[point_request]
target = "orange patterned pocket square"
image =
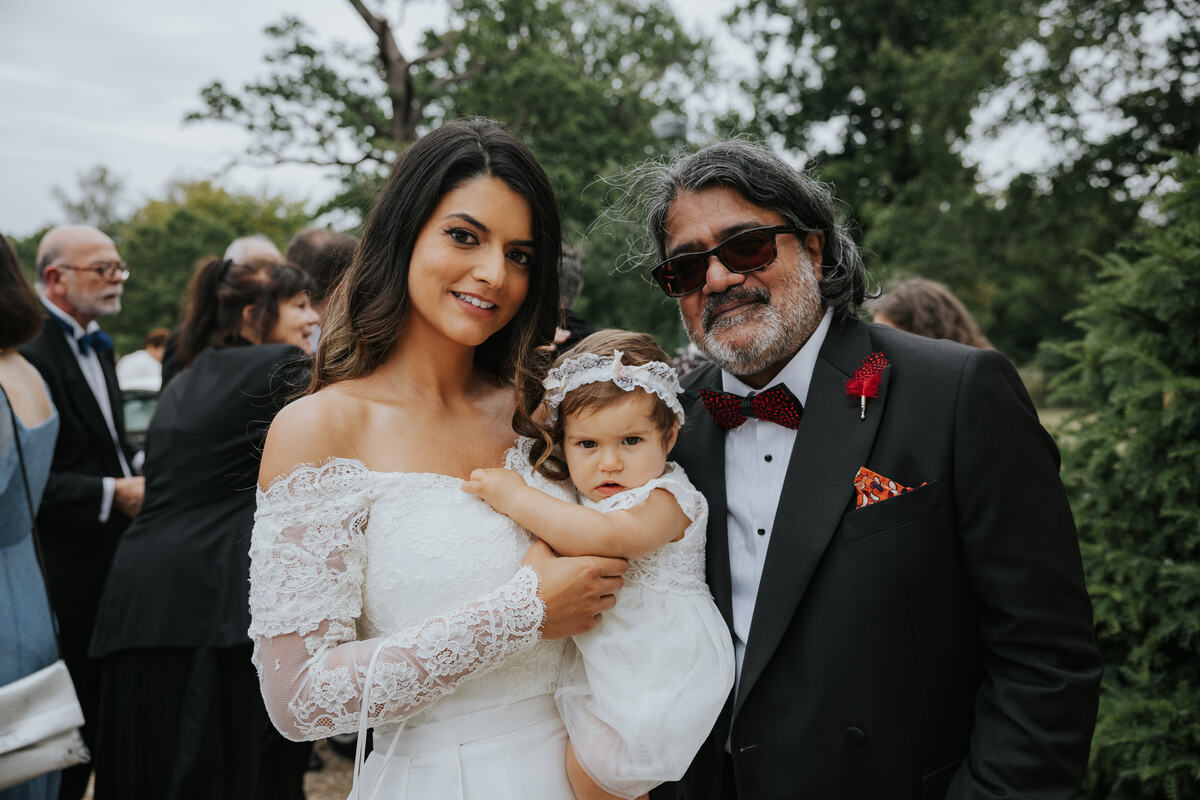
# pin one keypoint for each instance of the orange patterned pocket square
(871, 487)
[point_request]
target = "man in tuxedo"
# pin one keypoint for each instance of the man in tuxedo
(888, 536)
(92, 492)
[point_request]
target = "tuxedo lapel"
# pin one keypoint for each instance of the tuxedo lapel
(701, 452)
(109, 367)
(79, 394)
(832, 442)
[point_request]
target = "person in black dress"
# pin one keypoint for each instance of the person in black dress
(180, 711)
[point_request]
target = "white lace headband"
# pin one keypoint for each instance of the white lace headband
(655, 377)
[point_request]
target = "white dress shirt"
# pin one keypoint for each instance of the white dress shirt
(757, 455)
(89, 365)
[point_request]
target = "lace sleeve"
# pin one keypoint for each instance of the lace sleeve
(306, 574)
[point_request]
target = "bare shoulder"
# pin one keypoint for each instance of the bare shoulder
(25, 389)
(310, 430)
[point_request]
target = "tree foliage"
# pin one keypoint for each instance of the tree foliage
(883, 97)
(1114, 82)
(164, 239)
(99, 200)
(1132, 467)
(579, 82)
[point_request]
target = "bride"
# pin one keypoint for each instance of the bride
(381, 595)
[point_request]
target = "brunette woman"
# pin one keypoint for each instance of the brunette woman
(382, 595)
(27, 416)
(180, 712)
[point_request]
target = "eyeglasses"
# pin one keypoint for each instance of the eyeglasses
(741, 253)
(108, 270)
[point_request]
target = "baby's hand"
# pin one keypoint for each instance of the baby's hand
(493, 485)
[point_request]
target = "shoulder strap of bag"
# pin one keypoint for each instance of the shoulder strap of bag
(37, 545)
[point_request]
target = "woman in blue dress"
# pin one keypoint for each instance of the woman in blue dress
(26, 626)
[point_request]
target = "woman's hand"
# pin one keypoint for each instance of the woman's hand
(575, 590)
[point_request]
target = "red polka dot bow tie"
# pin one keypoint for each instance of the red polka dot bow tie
(776, 404)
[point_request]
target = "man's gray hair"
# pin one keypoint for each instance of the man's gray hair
(48, 256)
(247, 248)
(768, 182)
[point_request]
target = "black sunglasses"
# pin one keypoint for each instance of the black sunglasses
(743, 252)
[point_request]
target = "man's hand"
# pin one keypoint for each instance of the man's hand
(128, 494)
(575, 590)
(494, 486)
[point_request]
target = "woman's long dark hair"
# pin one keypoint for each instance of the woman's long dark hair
(220, 290)
(368, 308)
(22, 317)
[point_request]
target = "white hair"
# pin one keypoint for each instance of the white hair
(248, 248)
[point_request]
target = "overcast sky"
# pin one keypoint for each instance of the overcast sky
(85, 82)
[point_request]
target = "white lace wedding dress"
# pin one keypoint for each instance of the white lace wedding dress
(401, 587)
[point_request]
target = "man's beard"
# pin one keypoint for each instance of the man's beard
(776, 327)
(95, 304)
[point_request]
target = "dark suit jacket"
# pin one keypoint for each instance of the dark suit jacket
(937, 644)
(76, 546)
(181, 573)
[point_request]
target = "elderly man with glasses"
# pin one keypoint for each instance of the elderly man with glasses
(888, 540)
(93, 491)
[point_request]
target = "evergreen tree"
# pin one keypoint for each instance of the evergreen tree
(1132, 467)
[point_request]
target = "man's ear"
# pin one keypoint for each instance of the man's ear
(814, 246)
(55, 282)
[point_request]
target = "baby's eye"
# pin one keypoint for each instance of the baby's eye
(632, 440)
(586, 444)
(522, 257)
(462, 236)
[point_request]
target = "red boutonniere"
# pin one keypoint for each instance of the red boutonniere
(865, 382)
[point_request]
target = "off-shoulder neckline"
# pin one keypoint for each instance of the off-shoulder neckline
(359, 466)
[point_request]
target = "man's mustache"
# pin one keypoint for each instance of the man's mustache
(737, 294)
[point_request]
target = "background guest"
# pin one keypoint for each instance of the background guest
(927, 308)
(572, 328)
(249, 248)
(325, 255)
(142, 369)
(26, 627)
(92, 492)
(180, 711)
(240, 251)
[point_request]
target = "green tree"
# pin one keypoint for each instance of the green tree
(579, 82)
(164, 239)
(1113, 84)
(1132, 467)
(883, 97)
(99, 201)
(26, 250)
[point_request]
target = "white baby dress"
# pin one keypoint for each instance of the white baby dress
(640, 692)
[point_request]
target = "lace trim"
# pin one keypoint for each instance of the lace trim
(333, 472)
(307, 569)
(676, 567)
(414, 667)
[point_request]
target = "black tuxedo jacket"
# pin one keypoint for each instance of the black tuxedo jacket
(77, 547)
(936, 644)
(181, 575)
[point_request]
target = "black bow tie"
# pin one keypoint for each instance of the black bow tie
(776, 404)
(97, 340)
